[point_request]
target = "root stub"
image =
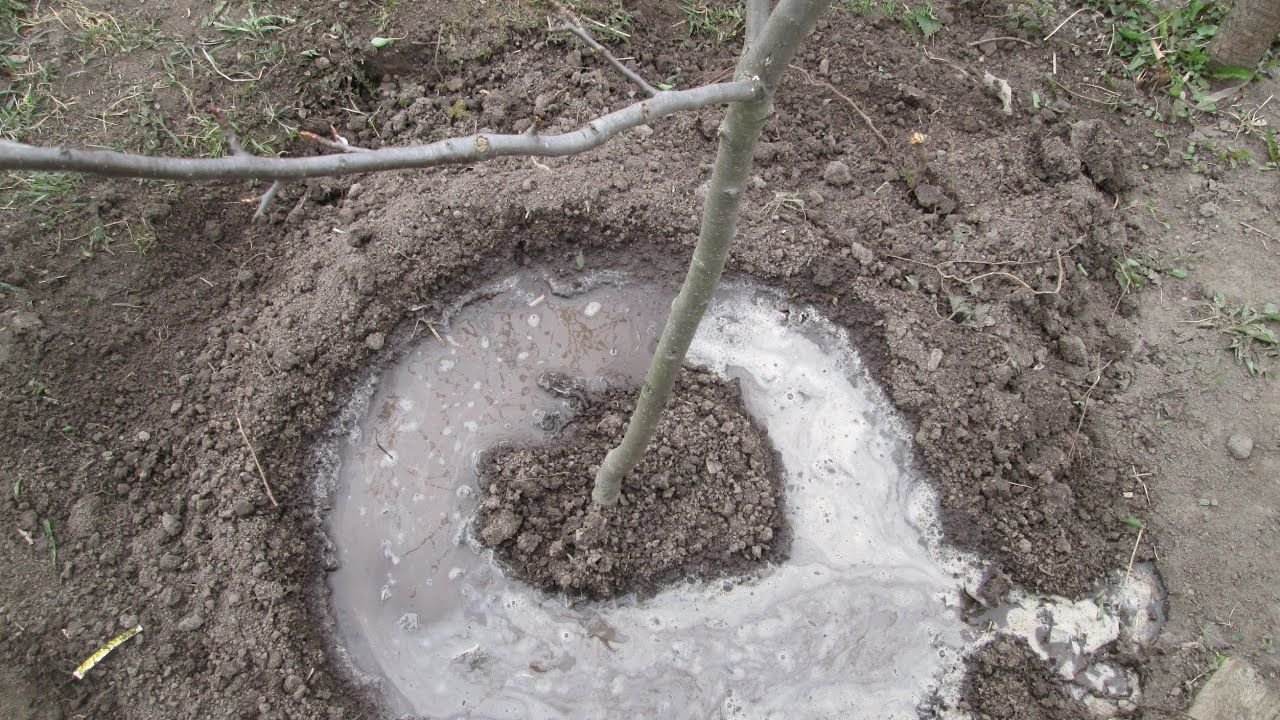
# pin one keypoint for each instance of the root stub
(705, 502)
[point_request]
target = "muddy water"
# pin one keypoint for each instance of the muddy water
(859, 622)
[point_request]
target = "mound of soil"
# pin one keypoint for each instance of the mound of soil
(705, 502)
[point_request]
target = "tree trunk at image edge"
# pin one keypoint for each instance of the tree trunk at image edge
(1245, 34)
(765, 59)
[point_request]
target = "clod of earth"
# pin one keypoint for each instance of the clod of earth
(705, 502)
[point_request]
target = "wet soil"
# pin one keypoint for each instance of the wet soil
(976, 274)
(705, 502)
(1007, 680)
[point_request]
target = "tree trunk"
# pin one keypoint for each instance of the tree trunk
(1245, 34)
(765, 59)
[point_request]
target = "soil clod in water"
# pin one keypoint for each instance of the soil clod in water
(705, 500)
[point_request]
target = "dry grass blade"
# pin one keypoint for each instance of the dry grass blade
(266, 485)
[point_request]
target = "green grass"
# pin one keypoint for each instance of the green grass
(720, 22)
(1136, 273)
(1163, 46)
(917, 19)
(867, 8)
(254, 26)
(922, 19)
(1251, 331)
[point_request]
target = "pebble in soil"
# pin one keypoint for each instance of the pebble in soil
(860, 619)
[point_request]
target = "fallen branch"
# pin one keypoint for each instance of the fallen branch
(454, 151)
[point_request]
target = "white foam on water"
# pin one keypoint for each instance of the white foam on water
(861, 621)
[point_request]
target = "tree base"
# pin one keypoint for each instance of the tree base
(705, 502)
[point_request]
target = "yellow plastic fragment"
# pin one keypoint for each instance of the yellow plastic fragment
(103, 651)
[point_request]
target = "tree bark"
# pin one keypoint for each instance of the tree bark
(765, 59)
(1245, 34)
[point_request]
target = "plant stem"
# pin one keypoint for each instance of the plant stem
(765, 59)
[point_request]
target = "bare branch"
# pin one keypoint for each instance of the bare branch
(265, 200)
(340, 144)
(454, 151)
(756, 16)
(569, 22)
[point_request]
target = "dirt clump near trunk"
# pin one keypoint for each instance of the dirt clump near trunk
(705, 502)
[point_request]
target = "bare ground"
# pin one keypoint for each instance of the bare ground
(144, 324)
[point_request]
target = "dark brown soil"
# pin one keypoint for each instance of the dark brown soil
(705, 502)
(1007, 680)
(141, 325)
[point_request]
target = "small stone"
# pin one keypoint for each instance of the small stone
(642, 131)
(837, 173)
(375, 341)
(1241, 446)
(171, 524)
(861, 252)
(987, 43)
(175, 407)
(170, 562)
(143, 436)
(1072, 349)
(190, 623)
(1024, 546)
(932, 198)
(935, 359)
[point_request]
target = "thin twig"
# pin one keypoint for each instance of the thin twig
(1138, 477)
(265, 200)
(984, 41)
(945, 61)
(569, 21)
(865, 118)
(228, 78)
(1263, 233)
(937, 267)
(340, 144)
(1133, 555)
(270, 496)
(1084, 409)
(1064, 22)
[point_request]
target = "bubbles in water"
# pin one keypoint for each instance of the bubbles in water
(860, 622)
